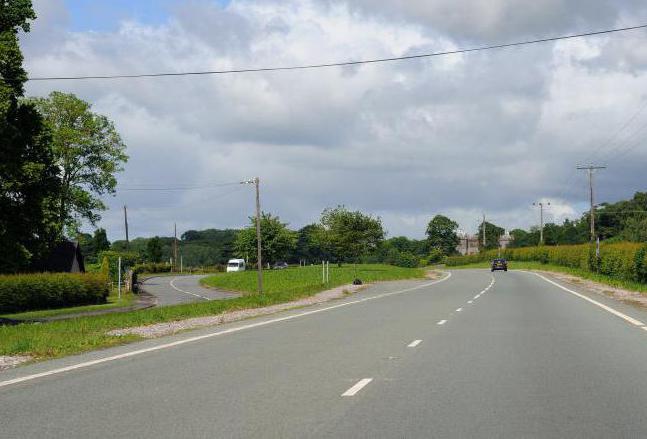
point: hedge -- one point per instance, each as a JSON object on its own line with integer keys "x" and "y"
{"x": 24, "y": 292}
{"x": 153, "y": 267}
{"x": 110, "y": 262}
{"x": 627, "y": 261}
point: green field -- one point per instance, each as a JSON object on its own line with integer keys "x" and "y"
{"x": 307, "y": 280}
{"x": 65, "y": 337}
{"x": 585, "y": 274}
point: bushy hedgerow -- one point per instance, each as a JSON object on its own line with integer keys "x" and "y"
{"x": 624, "y": 260}
{"x": 24, "y": 292}
{"x": 153, "y": 267}
{"x": 110, "y": 262}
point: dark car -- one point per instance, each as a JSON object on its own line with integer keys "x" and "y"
{"x": 500, "y": 264}
{"x": 280, "y": 265}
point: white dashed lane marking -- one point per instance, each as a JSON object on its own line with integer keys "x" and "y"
{"x": 442, "y": 322}
{"x": 414, "y": 343}
{"x": 357, "y": 387}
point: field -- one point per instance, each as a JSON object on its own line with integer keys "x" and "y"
{"x": 65, "y": 337}
{"x": 307, "y": 280}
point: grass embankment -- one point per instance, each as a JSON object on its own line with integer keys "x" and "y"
{"x": 65, "y": 337}
{"x": 113, "y": 302}
{"x": 306, "y": 280}
{"x": 585, "y": 274}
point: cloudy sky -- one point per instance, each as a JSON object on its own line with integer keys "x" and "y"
{"x": 458, "y": 135}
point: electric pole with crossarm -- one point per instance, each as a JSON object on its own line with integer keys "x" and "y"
{"x": 256, "y": 182}
{"x": 591, "y": 168}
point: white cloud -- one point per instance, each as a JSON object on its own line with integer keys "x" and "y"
{"x": 457, "y": 135}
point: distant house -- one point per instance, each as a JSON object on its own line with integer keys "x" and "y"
{"x": 65, "y": 257}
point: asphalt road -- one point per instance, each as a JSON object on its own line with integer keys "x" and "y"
{"x": 467, "y": 357}
{"x": 173, "y": 290}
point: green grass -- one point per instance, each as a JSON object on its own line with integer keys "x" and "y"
{"x": 65, "y": 337}
{"x": 112, "y": 303}
{"x": 585, "y": 274}
{"x": 306, "y": 280}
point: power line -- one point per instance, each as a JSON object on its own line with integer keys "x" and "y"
{"x": 176, "y": 188}
{"x": 339, "y": 64}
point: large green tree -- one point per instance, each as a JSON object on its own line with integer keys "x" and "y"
{"x": 277, "y": 241}
{"x": 441, "y": 234}
{"x": 348, "y": 235}
{"x": 28, "y": 176}
{"x": 88, "y": 150}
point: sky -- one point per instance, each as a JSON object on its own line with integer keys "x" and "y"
{"x": 461, "y": 135}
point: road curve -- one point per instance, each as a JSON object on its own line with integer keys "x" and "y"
{"x": 503, "y": 355}
{"x": 173, "y": 290}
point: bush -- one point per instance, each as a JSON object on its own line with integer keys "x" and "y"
{"x": 406, "y": 259}
{"x": 24, "y": 292}
{"x": 152, "y": 267}
{"x": 110, "y": 262}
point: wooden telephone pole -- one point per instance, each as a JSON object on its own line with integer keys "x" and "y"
{"x": 256, "y": 182}
{"x": 126, "y": 224}
{"x": 590, "y": 169}
{"x": 174, "y": 246}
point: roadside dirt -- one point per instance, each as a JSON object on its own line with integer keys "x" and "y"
{"x": 630, "y": 297}
{"x": 167, "y": 328}
{"x": 9, "y": 361}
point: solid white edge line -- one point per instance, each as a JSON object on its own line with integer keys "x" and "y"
{"x": 414, "y": 343}
{"x": 594, "y": 302}
{"x": 212, "y": 334}
{"x": 357, "y": 387}
{"x": 442, "y": 322}
{"x": 185, "y": 292}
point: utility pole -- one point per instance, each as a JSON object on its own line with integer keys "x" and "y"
{"x": 126, "y": 224}
{"x": 541, "y": 220}
{"x": 256, "y": 182}
{"x": 484, "y": 242}
{"x": 174, "y": 246}
{"x": 591, "y": 168}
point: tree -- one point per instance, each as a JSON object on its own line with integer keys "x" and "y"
{"x": 28, "y": 176}
{"x": 277, "y": 241}
{"x": 308, "y": 247}
{"x": 88, "y": 151}
{"x": 492, "y": 235}
{"x": 154, "y": 249}
{"x": 348, "y": 235}
{"x": 100, "y": 239}
{"x": 441, "y": 234}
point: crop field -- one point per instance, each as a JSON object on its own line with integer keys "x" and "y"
{"x": 308, "y": 280}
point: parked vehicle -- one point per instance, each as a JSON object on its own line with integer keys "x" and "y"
{"x": 280, "y": 265}
{"x": 235, "y": 265}
{"x": 499, "y": 264}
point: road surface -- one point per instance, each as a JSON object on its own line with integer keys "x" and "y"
{"x": 173, "y": 290}
{"x": 508, "y": 355}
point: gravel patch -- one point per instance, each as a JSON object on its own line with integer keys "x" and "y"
{"x": 167, "y": 328}
{"x": 8, "y": 361}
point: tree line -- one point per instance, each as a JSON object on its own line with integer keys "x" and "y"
{"x": 57, "y": 157}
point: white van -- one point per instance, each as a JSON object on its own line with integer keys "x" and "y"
{"x": 235, "y": 265}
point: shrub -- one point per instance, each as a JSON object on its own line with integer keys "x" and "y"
{"x": 152, "y": 267}
{"x": 436, "y": 255}
{"x": 23, "y": 292}
{"x": 406, "y": 259}
{"x": 110, "y": 262}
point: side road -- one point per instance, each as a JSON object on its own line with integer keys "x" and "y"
{"x": 173, "y": 290}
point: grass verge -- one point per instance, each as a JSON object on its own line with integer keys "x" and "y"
{"x": 65, "y": 337}
{"x": 585, "y": 274}
{"x": 113, "y": 302}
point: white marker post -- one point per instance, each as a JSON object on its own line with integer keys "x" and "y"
{"x": 119, "y": 278}
{"x": 323, "y": 272}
